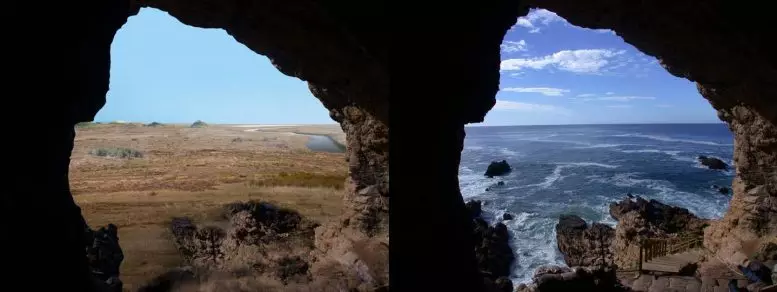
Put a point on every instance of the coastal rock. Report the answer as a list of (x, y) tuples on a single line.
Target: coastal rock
[(474, 208), (498, 168), (492, 249), (582, 245), (713, 163), (640, 219), (507, 216), (724, 190), (558, 279)]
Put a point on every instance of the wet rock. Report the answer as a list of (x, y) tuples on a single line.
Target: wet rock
[(498, 168), (492, 249), (669, 219), (504, 284), (500, 183), (475, 208), (582, 245), (713, 163), (724, 190), (507, 216)]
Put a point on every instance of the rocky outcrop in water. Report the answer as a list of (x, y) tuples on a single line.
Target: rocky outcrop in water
[(498, 168), (713, 163), (492, 249), (584, 245), (639, 219)]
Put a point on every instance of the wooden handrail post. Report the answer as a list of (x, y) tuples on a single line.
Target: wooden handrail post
[(641, 248)]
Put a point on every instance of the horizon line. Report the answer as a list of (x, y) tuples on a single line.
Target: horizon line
[(599, 124)]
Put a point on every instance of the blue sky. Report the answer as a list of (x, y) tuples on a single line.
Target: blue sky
[(165, 71), (555, 73), (552, 73)]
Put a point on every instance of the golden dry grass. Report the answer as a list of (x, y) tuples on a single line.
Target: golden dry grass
[(193, 173)]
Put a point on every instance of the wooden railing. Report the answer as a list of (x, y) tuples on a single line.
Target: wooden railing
[(652, 248)]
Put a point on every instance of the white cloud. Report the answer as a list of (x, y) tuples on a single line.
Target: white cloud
[(625, 98), (610, 93), (619, 106), (537, 17), (548, 91), (604, 30), (512, 46), (590, 61), (591, 97), (586, 95), (506, 105)]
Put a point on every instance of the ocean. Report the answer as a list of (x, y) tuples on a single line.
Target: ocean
[(581, 169)]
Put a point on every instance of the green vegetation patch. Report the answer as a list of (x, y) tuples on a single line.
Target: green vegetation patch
[(124, 153), (199, 124), (154, 124), (303, 179), (86, 124)]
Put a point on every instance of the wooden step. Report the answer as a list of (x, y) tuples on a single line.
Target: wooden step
[(672, 263)]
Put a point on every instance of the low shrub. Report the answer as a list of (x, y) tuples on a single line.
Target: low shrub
[(125, 153), (86, 124), (198, 124)]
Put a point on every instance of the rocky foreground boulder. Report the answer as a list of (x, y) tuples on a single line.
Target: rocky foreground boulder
[(492, 249), (498, 168), (558, 279), (584, 245), (640, 219), (104, 256), (713, 163), (261, 247)]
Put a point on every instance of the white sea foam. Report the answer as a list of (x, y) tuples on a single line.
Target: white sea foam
[(667, 139), (534, 243), (507, 152), (556, 174), (666, 192)]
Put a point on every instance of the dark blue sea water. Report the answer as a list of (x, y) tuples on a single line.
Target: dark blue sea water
[(580, 169)]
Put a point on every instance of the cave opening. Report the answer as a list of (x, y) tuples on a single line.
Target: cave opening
[(522, 99), (194, 122), (585, 118)]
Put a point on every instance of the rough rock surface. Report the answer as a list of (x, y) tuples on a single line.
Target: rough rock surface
[(582, 245), (105, 256), (558, 279), (492, 250), (713, 163), (498, 168), (639, 219), (271, 241)]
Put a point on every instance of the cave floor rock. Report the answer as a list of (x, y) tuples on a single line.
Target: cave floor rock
[(651, 283)]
